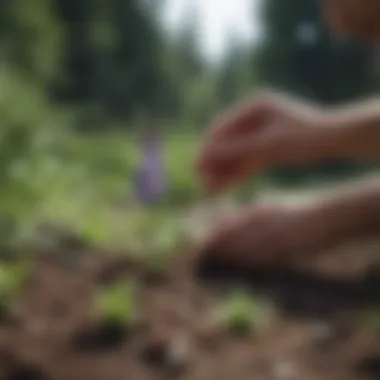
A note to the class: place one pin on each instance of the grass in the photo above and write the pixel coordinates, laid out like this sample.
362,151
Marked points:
113,159
88,184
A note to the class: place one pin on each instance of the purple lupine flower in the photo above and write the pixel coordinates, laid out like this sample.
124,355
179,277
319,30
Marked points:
150,181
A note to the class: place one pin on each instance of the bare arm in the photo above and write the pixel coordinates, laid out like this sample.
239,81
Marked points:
352,132
352,212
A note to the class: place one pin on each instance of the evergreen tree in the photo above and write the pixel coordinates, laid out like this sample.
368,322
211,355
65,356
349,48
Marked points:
300,55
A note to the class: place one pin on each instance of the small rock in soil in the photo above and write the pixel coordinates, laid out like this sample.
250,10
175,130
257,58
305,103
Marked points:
179,352
323,334
284,370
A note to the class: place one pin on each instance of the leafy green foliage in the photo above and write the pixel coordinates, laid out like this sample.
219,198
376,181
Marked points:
112,61
242,313
13,277
301,55
154,235
118,302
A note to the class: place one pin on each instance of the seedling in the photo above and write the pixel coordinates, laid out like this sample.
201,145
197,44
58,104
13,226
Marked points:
116,304
12,279
116,307
242,314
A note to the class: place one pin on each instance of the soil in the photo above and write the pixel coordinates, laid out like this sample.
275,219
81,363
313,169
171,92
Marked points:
53,332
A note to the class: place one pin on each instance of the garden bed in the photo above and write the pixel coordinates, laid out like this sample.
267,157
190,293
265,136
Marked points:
311,327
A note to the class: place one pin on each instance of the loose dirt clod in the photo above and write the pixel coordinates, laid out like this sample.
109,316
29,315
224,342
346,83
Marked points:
178,353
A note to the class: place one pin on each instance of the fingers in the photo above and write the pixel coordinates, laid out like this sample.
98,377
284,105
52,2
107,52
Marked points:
226,164
226,152
239,244
242,239
236,143
240,119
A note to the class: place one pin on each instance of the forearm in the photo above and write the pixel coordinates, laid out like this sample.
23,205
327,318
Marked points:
352,132
352,212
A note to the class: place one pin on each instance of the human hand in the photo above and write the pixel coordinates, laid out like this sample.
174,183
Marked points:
267,130
266,234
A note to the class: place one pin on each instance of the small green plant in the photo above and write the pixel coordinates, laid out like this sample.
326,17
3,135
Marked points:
116,304
13,277
241,313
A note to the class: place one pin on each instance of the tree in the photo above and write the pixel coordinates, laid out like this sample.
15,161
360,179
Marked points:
114,57
298,54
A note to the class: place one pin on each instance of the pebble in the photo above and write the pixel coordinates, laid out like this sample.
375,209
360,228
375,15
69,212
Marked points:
325,334
284,370
178,353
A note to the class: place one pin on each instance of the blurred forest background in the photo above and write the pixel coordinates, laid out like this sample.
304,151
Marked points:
80,79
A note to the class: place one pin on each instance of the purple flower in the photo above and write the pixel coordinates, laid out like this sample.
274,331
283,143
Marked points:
150,181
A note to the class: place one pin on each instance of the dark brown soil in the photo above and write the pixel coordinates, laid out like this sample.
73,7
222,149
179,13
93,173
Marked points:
53,332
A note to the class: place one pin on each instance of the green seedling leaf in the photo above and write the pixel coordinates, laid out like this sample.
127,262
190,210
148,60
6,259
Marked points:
19,274
12,279
242,313
117,302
